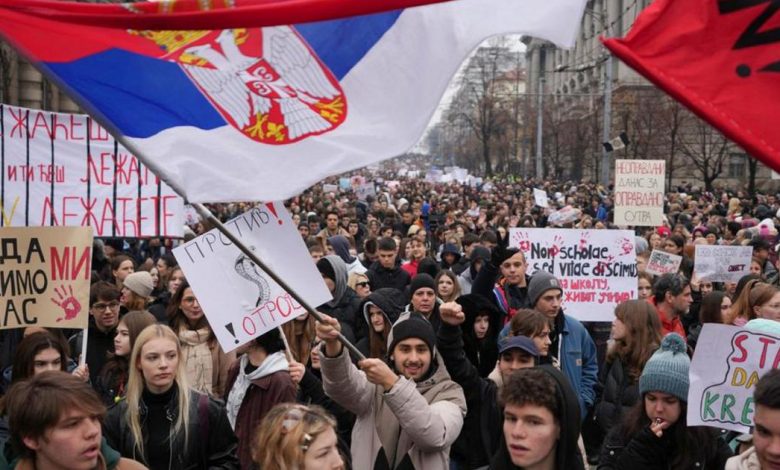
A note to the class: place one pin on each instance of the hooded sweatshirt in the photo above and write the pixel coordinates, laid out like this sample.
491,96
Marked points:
390,302
345,303
466,278
567,454
412,425
483,353
340,245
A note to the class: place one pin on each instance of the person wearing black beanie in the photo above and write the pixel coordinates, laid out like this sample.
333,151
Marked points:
422,291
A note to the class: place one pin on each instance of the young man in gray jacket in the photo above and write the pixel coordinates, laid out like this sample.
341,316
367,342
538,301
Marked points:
409,411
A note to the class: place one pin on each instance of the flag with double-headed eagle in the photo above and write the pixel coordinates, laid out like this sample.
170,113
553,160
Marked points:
235,100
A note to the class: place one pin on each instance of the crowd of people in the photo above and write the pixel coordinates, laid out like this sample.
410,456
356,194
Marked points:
468,361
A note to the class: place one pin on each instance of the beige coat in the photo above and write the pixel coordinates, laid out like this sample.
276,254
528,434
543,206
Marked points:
747,460
413,421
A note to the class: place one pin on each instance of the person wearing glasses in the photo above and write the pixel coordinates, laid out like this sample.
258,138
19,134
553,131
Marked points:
360,284
162,422
297,436
205,362
103,320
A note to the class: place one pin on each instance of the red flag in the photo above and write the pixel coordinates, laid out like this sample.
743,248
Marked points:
720,58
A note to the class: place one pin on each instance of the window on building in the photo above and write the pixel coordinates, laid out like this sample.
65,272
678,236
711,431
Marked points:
737,165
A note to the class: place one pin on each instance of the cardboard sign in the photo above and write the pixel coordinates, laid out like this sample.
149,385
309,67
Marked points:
639,192
661,263
721,263
540,197
241,301
45,276
65,170
725,368
596,268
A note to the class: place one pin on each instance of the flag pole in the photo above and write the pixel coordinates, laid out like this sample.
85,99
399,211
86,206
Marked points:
206,214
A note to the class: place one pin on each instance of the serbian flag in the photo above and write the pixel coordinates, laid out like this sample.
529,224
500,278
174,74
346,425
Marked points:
720,58
257,100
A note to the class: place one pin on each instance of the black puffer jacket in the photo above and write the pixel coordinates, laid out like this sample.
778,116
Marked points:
646,451
618,395
345,303
390,301
380,277
210,446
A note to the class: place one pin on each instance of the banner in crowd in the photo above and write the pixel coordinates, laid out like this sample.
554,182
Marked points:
721,263
241,301
725,368
639,192
365,190
287,102
540,197
661,263
65,170
45,276
596,268
330,188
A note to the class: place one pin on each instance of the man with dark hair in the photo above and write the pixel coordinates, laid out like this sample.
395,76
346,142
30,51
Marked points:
469,242
761,254
541,422
481,436
504,281
386,271
765,453
103,320
257,381
409,411
672,298
332,228
54,419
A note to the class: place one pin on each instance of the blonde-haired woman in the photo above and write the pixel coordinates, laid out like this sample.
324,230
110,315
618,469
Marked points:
297,437
162,423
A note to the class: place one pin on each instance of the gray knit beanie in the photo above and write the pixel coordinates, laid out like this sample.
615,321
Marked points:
667,369
140,282
540,283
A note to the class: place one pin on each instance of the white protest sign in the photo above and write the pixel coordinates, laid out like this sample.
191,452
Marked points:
540,197
240,301
661,263
365,190
566,215
596,268
66,170
462,175
330,188
191,216
639,192
721,263
726,365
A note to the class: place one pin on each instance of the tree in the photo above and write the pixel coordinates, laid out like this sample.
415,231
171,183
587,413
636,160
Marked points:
707,149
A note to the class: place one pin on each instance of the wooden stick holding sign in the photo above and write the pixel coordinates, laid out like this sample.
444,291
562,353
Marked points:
207,215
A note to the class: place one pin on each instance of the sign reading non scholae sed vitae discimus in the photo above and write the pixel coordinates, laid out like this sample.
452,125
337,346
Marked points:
45,276
639,192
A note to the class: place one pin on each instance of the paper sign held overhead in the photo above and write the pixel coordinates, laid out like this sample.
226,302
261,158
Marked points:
45,277
639,192
720,263
596,268
661,263
241,301
540,197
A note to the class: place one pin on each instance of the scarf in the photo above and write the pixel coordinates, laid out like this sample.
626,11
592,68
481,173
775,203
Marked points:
276,362
197,358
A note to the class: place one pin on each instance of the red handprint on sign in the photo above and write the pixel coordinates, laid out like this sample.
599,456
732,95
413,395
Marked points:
584,236
521,240
67,302
626,246
556,246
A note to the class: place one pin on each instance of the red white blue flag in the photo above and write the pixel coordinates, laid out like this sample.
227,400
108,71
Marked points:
256,100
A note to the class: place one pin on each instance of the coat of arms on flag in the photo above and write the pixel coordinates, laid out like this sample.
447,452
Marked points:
266,82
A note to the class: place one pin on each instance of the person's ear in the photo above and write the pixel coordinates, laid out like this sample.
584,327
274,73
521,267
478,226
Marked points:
31,443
